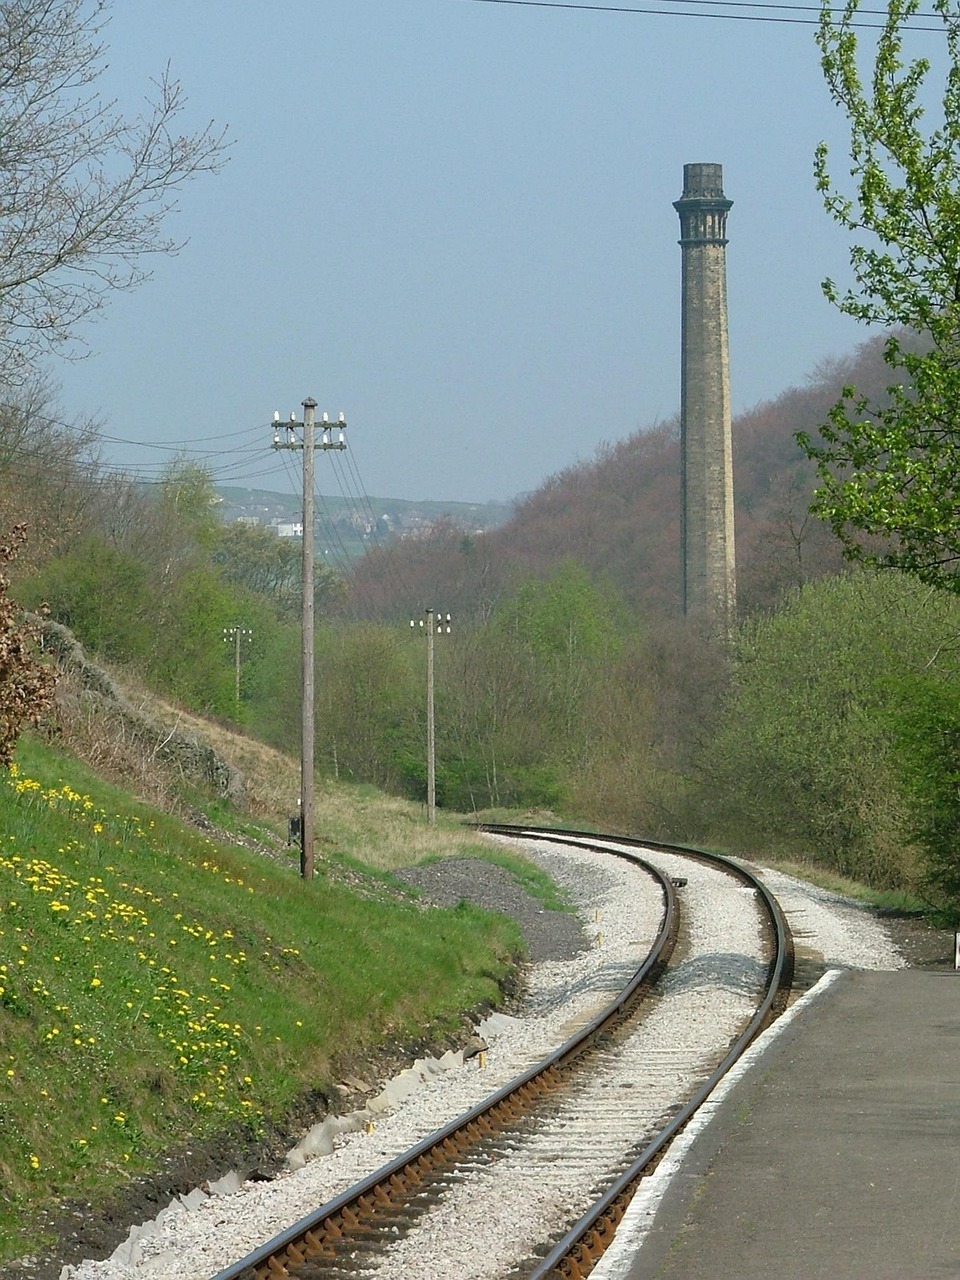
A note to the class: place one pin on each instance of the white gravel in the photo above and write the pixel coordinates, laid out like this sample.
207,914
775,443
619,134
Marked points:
839,929
622,915
483,1226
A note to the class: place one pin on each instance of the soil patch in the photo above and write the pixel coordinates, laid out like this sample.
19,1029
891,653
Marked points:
920,944
547,935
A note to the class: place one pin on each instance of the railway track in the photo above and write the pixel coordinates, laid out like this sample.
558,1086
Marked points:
532,1181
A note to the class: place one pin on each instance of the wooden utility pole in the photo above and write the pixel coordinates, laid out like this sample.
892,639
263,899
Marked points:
307,443
236,634
432,625
431,728
306,653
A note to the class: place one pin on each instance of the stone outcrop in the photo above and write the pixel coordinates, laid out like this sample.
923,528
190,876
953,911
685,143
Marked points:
183,752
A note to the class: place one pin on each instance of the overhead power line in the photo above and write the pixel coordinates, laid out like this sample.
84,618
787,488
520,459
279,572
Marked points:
720,9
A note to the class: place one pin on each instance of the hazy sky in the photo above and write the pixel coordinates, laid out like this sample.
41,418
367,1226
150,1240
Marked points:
452,220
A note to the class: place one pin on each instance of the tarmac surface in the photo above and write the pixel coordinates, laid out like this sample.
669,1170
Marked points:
836,1156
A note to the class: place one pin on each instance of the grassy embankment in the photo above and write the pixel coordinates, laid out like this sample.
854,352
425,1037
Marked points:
155,984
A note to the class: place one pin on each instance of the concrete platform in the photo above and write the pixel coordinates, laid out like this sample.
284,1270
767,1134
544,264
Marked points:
837,1156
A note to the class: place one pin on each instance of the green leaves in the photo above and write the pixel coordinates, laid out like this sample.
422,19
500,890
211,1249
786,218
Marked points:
889,476
927,734
806,756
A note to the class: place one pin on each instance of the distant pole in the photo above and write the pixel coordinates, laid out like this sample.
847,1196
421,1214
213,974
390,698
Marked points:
432,625
236,634
431,728
308,445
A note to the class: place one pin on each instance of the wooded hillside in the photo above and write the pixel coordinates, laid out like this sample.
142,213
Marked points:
619,516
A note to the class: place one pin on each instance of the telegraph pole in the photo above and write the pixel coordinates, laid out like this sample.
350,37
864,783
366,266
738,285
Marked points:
307,443
236,634
432,626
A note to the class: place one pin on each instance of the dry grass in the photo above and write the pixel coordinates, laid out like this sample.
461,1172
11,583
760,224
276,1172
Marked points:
272,779
381,831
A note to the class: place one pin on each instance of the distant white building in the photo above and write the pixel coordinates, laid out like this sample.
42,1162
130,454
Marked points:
289,528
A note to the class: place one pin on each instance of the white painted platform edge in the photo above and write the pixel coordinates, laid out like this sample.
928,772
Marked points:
638,1219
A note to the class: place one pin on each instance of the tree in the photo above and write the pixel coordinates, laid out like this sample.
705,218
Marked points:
928,735
102,594
567,627
46,471
889,467
84,192
254,557
806,756
188,657
365,698
181,531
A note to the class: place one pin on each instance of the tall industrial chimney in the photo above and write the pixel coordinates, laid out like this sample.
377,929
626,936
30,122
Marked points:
709,564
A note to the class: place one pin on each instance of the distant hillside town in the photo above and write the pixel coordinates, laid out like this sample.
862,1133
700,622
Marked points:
356,523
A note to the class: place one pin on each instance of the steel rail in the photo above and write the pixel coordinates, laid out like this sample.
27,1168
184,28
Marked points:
316,1233
574,1256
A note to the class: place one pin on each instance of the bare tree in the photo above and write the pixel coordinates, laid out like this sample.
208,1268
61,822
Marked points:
48,471
84,191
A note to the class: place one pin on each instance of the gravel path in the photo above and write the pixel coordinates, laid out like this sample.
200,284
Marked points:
581,960
843,932
549,935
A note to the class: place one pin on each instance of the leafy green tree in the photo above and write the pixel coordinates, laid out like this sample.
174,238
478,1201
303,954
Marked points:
188,502
177,532
366,695
514,694
805,758
622,777
567,628
889,468
102,594
270,682
254,557
494,747
189,658
928,736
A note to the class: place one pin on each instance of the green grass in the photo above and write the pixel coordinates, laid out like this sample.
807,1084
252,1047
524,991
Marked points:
154,983
890,901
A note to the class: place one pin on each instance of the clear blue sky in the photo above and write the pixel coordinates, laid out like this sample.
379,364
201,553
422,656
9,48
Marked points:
453,221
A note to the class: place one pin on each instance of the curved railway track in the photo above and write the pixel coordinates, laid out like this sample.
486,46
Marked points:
596,1113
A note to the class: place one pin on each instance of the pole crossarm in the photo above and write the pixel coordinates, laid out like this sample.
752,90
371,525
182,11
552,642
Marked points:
331,433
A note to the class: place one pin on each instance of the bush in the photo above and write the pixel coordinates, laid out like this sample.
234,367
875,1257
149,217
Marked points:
806,758
26,685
